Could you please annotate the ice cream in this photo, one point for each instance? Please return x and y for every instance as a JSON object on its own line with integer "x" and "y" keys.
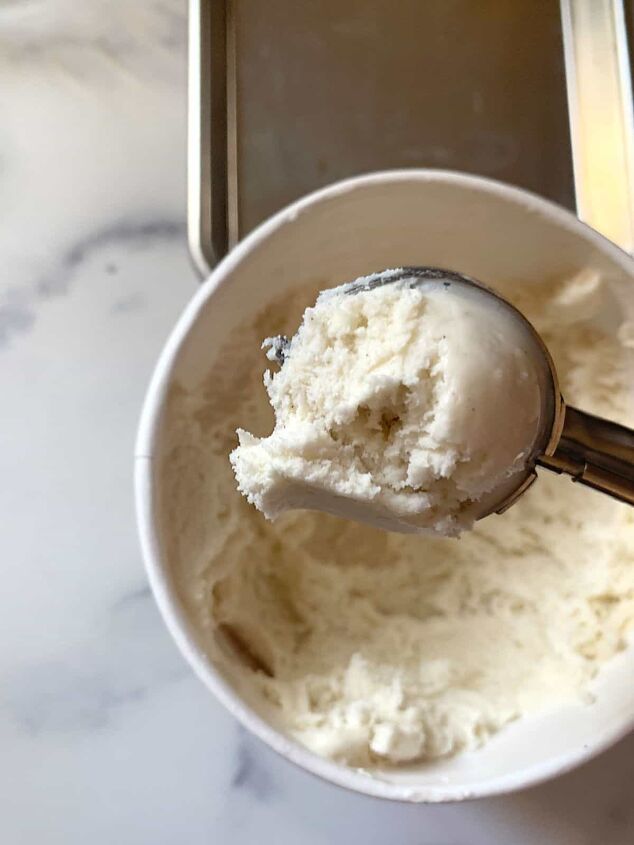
{"x": 376, "y": 648}
{"x": 406, "y": 405}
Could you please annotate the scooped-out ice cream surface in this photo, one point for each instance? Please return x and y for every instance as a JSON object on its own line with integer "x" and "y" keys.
{"x": 408, "y": 405}
{"x": 378, "y": 649}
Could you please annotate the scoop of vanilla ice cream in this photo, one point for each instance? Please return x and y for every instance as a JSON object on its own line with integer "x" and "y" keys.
{"x": 403, "y": 405}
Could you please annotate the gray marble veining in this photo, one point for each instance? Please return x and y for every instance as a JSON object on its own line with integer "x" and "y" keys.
{"x": 18, "y": 305}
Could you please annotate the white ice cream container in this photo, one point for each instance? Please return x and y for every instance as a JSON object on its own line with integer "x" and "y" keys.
{"x": 482, "y": 228}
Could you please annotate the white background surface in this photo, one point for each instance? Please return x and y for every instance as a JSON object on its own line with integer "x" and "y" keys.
{"x": 105, "y": 736}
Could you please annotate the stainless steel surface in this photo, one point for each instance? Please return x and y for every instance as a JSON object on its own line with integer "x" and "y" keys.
{"x": 207, "y": 159}
{"x": 595, "y": 452}
{"x": 601, "y": 121}
{"x": 321, "y": 90}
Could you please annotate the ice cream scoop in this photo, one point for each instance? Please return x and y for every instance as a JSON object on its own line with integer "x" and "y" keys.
{"x": 596, "y": 452}
{"x": 418, "y": 399}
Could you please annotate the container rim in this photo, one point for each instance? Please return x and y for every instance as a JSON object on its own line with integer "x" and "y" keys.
{"x": 157, "y": 566}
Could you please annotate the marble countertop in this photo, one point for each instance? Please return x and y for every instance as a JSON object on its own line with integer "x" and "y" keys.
{"x": 105, "y": 734}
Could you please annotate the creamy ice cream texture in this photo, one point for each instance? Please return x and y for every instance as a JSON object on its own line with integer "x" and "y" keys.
{"x": 378, "y": 648}
{"x": 406, "y": 405}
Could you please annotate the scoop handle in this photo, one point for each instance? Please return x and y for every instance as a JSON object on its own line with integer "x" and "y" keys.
{"x": 595, "y": 452}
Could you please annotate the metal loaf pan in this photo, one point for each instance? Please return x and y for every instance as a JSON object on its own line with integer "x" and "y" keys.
{"x": 285, "y": 97}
